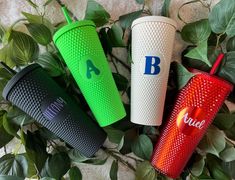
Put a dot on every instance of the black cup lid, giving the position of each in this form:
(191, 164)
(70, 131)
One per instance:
(11, 83)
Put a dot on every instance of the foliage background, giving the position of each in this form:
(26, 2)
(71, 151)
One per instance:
(139, 135)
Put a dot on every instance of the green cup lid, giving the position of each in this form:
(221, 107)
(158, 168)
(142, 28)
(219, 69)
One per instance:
(73, 25)
(70, 25)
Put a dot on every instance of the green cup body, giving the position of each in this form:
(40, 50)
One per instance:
(81, 49)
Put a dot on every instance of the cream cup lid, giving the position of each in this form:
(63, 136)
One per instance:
(154, 19)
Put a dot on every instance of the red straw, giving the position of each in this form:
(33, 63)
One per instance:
(217, 63)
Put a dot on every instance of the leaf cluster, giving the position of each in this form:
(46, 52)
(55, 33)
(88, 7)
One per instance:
(214, 158)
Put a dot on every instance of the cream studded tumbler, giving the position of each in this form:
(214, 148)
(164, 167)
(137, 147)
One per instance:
(79, 45)
(152, 45)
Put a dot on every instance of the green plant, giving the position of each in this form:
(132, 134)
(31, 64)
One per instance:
(213, 158)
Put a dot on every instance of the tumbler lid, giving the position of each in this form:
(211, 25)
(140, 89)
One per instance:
(154, 19)
(71, 26)
(10, 84)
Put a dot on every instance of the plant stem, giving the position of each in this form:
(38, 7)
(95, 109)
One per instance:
(139, 160)
(230, 141)
(206, 5)
(114, 155)
(121, 62)
(17, 148)
(16, 22)
(217, 41)
(5, 150)
(114, 64)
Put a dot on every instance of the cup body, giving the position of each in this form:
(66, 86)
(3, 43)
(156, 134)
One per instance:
(34, 92)
(195, 108)
(81, 49)
(152, 46)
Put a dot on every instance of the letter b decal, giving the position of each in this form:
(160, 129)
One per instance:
(152, 65)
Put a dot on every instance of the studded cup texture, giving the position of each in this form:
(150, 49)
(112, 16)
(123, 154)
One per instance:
(148, 91)
(35, 89)
(205, 93)
(77, 46)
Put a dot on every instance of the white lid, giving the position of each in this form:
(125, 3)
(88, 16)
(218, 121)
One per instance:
(154, 19)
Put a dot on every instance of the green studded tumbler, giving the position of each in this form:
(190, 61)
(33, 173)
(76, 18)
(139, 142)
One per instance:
(79, 45)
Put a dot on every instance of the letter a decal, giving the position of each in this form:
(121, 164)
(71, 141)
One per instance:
(152, 65)
(90, 68)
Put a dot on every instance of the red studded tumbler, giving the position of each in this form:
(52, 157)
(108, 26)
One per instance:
(195, 108)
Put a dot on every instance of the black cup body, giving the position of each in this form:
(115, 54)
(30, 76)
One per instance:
(34, 92)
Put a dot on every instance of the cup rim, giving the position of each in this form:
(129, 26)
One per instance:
(197, 72)
(73, 25)
(11, 83)
(154, 19)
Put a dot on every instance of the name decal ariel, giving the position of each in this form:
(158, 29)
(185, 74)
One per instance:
(193, 122)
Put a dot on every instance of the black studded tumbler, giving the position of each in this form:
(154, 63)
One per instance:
(34, 92)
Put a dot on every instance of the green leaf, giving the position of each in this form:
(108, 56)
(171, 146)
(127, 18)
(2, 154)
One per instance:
(4, 136)
(4, 78)
(15, 165)
(165, 8)
(183, 75)
(56, 166)
(150, 130)
(140, 1)
(46, 134)
(40, 33)
(228, 154)
(2, 32)
(229, 168)
(142, 147)
(200, 53)
(115, 35)
(145, 171)
(121, 81)
(19, 117)
(213, 142)
(230, 133)
(31, 3)
(10, 128)
(227, 70)
(96, 13)
(212, 40)
(231, 44)
(193, 63)
(75, 173)
(224, 120)
(24, 48)
(222, 18)
(76, 156)
(38, 20)
(31, 166)
(114, 135)
(113, 170)
(36, 149)
(127, 19)
(215, 168)
(196, 32)
(49, 63)
(5, 177)
(47, 2)
(5, 55)
(198, 166)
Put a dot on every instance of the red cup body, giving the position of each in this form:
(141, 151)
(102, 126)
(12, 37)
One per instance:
(196, 106)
